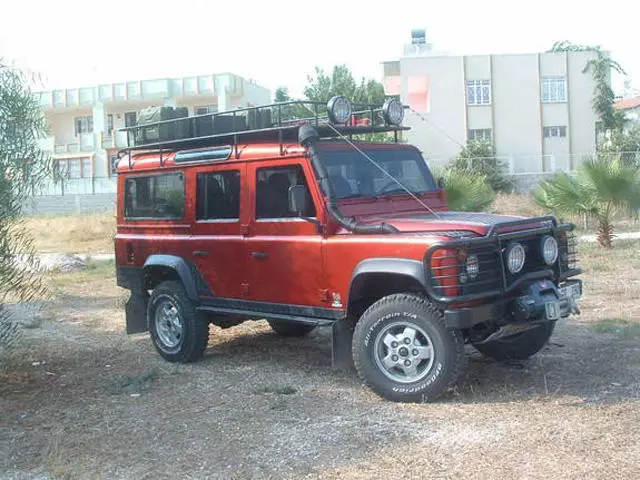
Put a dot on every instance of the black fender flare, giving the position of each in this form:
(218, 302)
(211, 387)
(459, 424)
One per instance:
(180, 266)
(406, 267)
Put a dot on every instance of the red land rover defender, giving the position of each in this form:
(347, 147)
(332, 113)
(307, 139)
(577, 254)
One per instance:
(263, 213)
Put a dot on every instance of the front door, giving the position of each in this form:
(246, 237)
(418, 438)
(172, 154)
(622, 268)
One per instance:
(284, 252)
(217, 242)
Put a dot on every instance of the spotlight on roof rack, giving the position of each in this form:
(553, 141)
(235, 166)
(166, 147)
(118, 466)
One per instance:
(339, 108)
(392, 111)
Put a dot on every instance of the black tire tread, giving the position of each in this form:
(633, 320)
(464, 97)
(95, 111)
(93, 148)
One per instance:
(196, 320)
(521, 347)
(420, 303)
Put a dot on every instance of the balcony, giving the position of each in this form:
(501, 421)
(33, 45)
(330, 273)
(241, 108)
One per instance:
(115, 140)
(85, 142)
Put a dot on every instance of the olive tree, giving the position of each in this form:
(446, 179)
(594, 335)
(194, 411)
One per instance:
(23, 166)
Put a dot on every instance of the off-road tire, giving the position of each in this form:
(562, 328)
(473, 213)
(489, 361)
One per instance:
(195, 327)
(518, 347)
(448, 348)
(290, 329)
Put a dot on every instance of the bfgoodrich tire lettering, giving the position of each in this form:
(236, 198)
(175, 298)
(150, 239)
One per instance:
(179, 332)
(435, 355)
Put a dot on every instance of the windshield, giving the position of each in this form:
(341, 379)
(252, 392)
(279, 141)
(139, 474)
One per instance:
(353, 176)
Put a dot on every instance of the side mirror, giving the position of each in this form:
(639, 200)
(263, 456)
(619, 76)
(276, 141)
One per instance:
(440, 182)
(297, 199)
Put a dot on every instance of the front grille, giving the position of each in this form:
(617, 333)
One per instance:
(448, 281)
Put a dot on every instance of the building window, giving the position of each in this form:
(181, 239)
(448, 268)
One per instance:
(130, 119)
(272, 192)
(206, 110)
(69, 168)
(555, 132)
(110, 124)
(480, 134)
(218, 195)
(113, 164)
(554, 89)
(478, 92)
(154, 196)
(84, 124)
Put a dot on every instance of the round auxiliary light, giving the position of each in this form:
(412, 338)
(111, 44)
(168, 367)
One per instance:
(392, 111)
(549, 247)
(515, 257)
(339, 109)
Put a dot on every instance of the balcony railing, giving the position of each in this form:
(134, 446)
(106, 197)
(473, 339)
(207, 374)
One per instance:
(115, 139)
(85, 142)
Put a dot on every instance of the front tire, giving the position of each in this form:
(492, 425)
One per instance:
(403, 351)
(179, 332)
(290, 329)
(517, 347)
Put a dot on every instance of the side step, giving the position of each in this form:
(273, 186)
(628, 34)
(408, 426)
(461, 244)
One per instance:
(252, 314)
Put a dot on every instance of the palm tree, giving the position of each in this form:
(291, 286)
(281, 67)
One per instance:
(601, 189)
(467, 191)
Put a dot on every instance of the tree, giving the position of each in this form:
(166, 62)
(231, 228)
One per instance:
(602, 188)
(23, 166)
(624, 144)
(479, 157)
(282, 95)
(603, 96)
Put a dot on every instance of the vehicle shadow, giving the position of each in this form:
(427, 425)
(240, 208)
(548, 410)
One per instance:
(577, 363)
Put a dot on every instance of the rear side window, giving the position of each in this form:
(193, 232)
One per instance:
(218, 195)
(154, 196)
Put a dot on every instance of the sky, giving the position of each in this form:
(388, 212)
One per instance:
(73, 43)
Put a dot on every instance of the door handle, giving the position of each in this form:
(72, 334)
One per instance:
(259, 254)
(200, 253)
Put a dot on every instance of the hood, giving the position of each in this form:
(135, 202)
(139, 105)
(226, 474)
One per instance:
(473, 223)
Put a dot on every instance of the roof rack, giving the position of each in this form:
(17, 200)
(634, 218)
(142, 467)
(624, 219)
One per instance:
(277, 122)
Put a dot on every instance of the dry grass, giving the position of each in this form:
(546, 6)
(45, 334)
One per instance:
(91, 233)
(99, 404)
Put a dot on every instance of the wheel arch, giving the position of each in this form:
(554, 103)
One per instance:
(159, 268)
(375, 278)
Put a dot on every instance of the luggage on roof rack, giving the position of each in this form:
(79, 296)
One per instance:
(162, 132)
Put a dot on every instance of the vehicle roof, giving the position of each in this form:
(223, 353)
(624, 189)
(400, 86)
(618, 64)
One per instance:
(156, 159)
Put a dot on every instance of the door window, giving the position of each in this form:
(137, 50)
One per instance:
(218, 195)
(272, 192)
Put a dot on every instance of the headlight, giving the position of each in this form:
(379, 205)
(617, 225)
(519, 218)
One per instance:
(339, 108)
(471, 269)
(549, 249)
(392, 111)
(515, 257)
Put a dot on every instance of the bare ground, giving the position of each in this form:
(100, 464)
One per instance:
(83, 400)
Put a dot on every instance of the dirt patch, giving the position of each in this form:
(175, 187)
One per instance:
(83, 400)
(90, 233)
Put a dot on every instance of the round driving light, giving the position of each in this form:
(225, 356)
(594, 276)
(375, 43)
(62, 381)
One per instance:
(515, 257)
(472, 267)
(549, 249)
(339, 108)
(392, 111)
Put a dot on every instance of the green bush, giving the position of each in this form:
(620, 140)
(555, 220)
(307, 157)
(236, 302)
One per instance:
(479, 157)
(467, 191)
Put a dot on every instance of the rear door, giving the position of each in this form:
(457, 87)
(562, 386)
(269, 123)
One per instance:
(217, 242)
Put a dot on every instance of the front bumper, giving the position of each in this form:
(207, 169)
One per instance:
(540, 301)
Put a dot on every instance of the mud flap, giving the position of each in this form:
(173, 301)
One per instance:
(342, 338)
(136, 312)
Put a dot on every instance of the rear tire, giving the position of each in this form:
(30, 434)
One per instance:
(403, 351)
(290, 329)
(518, 347)
(179, 332)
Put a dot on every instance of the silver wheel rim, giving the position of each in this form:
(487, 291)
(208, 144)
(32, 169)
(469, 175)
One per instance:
(169, 325)
(403, 352)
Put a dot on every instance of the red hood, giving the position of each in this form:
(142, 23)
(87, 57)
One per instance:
(475, 223)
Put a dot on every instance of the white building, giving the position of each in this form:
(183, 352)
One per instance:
(84, 121)
(536, 108)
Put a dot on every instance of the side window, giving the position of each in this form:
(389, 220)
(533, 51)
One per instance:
(154, 196)
(272, 192)
(218, 195)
